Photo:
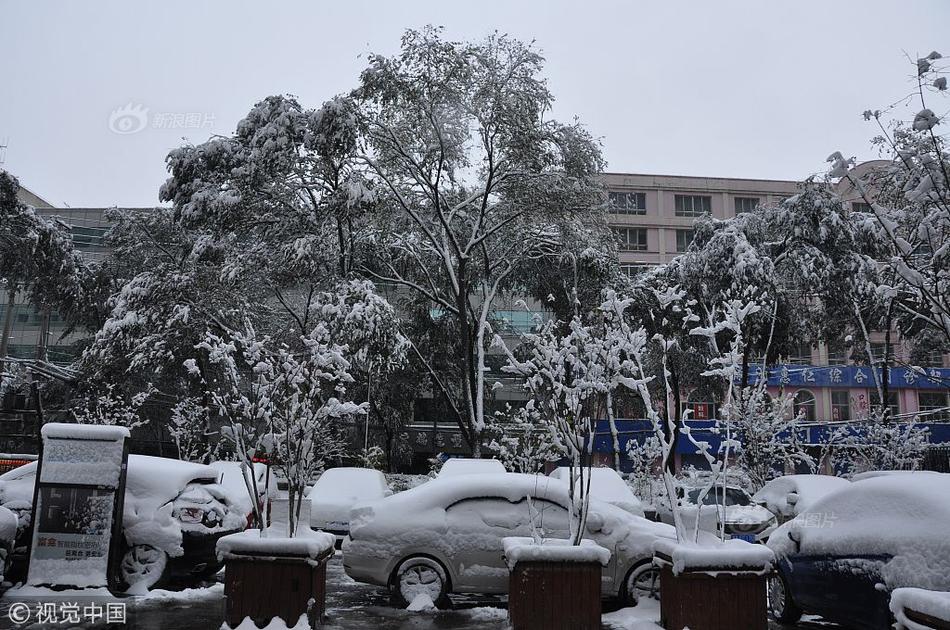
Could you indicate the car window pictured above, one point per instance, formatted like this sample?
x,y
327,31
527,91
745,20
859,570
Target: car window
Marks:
x,y
506,518
734,496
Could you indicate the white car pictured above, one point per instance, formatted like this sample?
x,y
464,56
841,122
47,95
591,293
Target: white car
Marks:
x,y
8,527
789,495
339,489
467,466
733,511
608,486
445,536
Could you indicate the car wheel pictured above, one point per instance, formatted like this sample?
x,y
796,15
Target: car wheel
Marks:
x,y
781,606
419,575
142,567
643,582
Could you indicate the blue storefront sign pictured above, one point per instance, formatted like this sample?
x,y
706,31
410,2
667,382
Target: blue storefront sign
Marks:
x,y
859,376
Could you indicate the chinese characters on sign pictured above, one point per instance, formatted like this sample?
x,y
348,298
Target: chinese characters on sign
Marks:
x,y
852,376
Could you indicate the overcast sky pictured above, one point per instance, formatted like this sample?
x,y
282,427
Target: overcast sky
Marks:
x,y
747,89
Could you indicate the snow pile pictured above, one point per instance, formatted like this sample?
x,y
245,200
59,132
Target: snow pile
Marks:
x,y
933,603
249,543
463,466
808,488
644,616
902,516
421,602
730,556
276,623
522,549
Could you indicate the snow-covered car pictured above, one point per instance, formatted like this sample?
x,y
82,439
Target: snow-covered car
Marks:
x,y
470,466
732,510
232,479
608,486
173,514
445,536
871,474
788,496
843,556
8,527
339,489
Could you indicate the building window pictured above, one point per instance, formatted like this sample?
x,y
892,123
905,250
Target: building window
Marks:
x,y
860,206
631,239
932,406
931,358
683,239
840,405
746,204
692,205
635,270
800,355
837,356
804,405
627,202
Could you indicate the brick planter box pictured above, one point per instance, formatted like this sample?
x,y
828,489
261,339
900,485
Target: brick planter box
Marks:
x,y
272,582
703,589
554,587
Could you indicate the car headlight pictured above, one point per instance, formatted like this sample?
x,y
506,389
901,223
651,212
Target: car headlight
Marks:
x,y
191,515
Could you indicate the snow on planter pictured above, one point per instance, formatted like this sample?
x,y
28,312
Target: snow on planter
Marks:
x,y
525,549
275,623
913,606
307,544
730,556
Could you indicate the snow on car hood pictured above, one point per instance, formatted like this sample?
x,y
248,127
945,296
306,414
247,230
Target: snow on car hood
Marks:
x,y
809,488
903,516
417,517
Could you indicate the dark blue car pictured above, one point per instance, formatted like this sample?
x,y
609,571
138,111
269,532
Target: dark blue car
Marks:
x,y
841,557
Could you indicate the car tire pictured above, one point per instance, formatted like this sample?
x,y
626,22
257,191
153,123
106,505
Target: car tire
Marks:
x,y
781,606
416,575
642,581
142,568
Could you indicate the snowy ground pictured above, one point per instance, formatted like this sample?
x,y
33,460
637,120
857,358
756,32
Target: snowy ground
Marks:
x,y
349,605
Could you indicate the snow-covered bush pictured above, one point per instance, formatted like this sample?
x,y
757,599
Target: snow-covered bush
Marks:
x,y
189,428
111,407
521,441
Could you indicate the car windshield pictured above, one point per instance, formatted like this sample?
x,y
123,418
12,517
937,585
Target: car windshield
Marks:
x,y
734,496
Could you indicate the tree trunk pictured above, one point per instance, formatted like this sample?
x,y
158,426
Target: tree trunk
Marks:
x,y
885,368
678,416
7,324
44,333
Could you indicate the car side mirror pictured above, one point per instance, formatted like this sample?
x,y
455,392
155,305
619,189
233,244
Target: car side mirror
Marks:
x,y
595,521
791,498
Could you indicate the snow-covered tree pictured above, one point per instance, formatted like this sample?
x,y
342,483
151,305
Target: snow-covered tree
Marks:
x,y
286,404
478,182
189,427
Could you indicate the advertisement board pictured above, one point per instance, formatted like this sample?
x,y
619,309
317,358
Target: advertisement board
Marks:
x,y
77,506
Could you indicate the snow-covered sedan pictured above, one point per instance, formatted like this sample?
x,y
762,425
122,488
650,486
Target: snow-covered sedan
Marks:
x,y
445,536
608,486
339,489
8,528
173,514
843,556
788,496
731,509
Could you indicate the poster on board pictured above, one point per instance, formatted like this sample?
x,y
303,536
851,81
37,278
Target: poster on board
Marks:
x,y
77,505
